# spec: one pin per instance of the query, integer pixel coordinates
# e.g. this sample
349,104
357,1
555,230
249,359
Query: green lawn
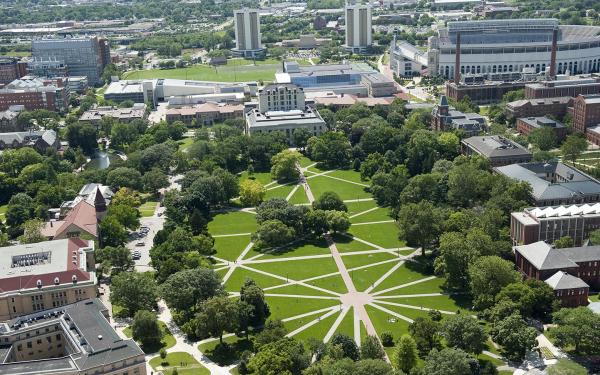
346,327
229,248
385,322
262,177
402,275
356,207
238,277
442,302
176,359
299,269
384,235
345,190
185,143
236,70
305,162
348,244
233,222
379,214
300,248
318,330
404,311
347,174
3,212
237,345
365,277
299,197
279,191
147,208
353,261
286,307
167,342
334,283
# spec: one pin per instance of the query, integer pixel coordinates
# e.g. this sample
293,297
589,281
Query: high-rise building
82,56
358,27
247,33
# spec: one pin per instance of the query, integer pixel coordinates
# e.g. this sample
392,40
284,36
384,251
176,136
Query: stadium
501,46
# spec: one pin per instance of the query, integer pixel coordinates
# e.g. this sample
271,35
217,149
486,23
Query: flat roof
495,146
564,211
256,119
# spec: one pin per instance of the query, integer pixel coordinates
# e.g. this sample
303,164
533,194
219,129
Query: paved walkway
353,298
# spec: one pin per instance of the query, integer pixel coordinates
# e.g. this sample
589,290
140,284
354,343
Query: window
29,345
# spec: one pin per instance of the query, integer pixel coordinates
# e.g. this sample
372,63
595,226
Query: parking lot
154,223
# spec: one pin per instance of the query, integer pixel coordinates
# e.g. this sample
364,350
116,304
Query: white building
247,33
282,107
502,46
359,34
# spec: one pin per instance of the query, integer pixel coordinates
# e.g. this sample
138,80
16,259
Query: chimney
457,62
553,53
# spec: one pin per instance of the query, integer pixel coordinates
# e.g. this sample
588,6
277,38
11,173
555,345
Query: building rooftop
28,138
206,108
540,101
495,146
124,87
541,122
22,266
562,280
96,114
553,180
564,211
308,116
82,216
91,339
544,257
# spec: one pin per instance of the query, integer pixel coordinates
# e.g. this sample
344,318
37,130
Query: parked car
141,243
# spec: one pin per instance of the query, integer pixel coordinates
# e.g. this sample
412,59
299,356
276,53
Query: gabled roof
562,280
543,257
83,215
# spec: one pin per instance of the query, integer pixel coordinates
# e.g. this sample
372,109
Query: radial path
352,298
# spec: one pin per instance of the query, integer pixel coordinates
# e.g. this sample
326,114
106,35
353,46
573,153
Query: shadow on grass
228,353
317,242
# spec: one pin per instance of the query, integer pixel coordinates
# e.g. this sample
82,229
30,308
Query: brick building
205,114
446,118
35,93
564,86
526,125
569,271
551,223
45,275
484,93
11,69
538,107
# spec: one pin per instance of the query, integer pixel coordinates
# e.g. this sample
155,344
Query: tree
370,348
421,152
372,367
338,221
284,166
20,209
300,137
124,177
283,357
185,289
385,186
447,361
420,224
252,193
544,138
464,332
273,331
215,316
426,333
154,180
127,216
112,233
577,328
387,339
488,275
328,201
32,231
454,260
573,147
82,136
252,294
405,354
347,344
272,233
117,259
332,149
133,292
146,329
563,242
515,337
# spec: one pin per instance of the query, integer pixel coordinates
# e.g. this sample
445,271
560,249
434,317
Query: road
418,92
